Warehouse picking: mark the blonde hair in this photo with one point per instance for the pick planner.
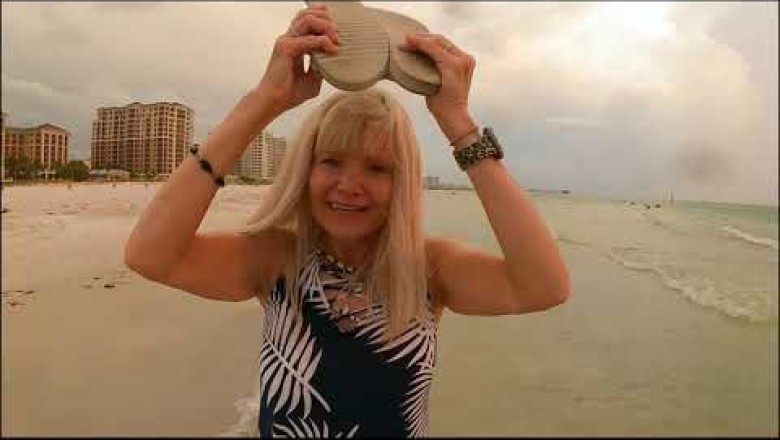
(396, 268)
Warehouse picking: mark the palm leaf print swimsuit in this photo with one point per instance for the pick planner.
(329, 373)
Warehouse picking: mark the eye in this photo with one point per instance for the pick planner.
(329, 161)
(380, 168)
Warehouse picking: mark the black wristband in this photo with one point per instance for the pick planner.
(206, 166)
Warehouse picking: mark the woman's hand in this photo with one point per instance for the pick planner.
(285, 80)
(449, 105)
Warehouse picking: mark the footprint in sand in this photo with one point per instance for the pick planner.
(14, 305)
(91, 283)
(107, 284)
(13, 298)
(16, 293)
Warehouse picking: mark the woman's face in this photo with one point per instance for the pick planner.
(350, 193)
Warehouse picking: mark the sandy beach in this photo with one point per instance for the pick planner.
(91, 349)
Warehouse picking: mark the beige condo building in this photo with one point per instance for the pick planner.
(142, 138)
(262, 158)
(278, 149)
(46, 144)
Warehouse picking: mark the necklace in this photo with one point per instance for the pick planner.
(344, 291)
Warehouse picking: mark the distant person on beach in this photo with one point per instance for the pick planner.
(351, 287)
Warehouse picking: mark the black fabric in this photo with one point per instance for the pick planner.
(368, 392)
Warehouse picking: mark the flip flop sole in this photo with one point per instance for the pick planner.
(414, 71)
(363, 53)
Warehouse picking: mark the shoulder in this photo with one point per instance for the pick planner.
(278, 237)
(439, 248)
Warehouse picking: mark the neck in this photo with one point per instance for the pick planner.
(352, 254)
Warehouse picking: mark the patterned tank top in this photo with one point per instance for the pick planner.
(329, 373)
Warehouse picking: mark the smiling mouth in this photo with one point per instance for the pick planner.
(346, 208)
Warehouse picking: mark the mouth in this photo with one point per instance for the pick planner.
(345, 207)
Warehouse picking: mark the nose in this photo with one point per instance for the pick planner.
(350, 180)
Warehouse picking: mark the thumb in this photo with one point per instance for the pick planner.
(425, 44)
(310, 43)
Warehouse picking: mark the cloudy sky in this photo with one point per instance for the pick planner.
(615, 99)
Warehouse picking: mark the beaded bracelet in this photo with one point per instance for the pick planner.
(206, 166)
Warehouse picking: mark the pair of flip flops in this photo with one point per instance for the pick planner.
(368, 52)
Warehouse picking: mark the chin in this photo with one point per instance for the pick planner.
(347, 233)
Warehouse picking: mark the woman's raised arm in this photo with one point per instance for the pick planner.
(164, 246)
(531, 276)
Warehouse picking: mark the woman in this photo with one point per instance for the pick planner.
(352, 289)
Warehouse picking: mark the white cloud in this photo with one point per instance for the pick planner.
(573, 122)
(628, 91)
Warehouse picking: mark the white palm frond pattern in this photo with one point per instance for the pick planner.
(302, 400)
(307, 428)
(416, 343)
(415, 407)
(310, 280)
(288, 359)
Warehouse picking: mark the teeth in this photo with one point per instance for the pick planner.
(340, 207)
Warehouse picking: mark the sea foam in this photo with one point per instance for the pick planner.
(750, 306)
(246, 426)
(763, 241)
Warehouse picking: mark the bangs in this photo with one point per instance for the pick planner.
(360, 121)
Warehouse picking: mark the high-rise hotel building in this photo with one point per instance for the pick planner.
(278, 149)
(142, 138)
(45, 144)
(262, 158)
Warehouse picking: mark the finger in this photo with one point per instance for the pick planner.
(321, 12)
(445, 44)
(310, 24)
(296, 46)
(296, 25)
(449, 46)
(428, 44)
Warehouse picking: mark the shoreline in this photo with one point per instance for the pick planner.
(638, 200)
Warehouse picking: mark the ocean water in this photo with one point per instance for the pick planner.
(717, 255)
(671, 329)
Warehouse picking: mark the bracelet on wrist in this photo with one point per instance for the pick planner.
(471, 131)
(487, 146)
(205, 165)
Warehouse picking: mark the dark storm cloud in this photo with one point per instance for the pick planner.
(703, 164)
